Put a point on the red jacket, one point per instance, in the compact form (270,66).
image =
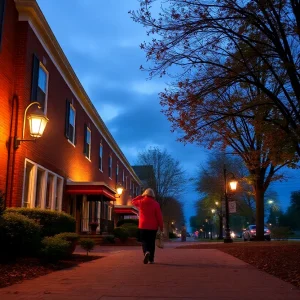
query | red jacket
(150,213)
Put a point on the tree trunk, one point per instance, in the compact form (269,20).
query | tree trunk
(220,237)
(260,221)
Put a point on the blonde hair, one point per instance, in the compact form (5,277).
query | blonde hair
(149,192)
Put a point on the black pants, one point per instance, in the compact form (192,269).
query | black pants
(148,241)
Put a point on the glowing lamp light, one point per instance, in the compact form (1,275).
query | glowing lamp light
(213,210)
(233,184)
(119,190)
(37,124)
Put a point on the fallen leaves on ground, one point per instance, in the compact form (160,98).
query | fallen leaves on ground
(29,268)
(281,259)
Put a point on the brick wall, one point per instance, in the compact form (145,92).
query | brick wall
(52,150)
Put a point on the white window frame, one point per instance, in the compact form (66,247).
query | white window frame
(126,182)
(89,154)
(32,186)
(72,141)
(117,173)
(110,167)
(101,156)
(47,84)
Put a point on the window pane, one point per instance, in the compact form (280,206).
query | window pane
(41,97)
(49,191)
(71,133)
(58,196)
(27,190)
(42,82)
(39,188)
(88,137)
(72,117)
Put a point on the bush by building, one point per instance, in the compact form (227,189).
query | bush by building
(121,233)
(54,248)
(87,245)
(18,236)
(131,229)
(51,222)
(70,237)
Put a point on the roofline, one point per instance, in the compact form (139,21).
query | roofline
(30,11)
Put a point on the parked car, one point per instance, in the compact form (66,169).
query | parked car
(250,233)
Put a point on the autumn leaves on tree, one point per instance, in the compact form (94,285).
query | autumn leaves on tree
(237,81)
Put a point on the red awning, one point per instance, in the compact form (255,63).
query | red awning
(126,210)
(90,188)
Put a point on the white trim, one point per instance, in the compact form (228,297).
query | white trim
(32,191)
(71,143)
(74,131)
(26,18)
(101,147)
(41,65)
(90,143)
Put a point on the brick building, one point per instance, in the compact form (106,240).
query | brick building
(76,165)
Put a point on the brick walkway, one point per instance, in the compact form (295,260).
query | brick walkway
(178,274)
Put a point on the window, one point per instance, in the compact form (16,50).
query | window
(39,85)
(123,177)
(101,157)
(126,183)
(70,122)
(29,175)
(39,188)
(133,190)
(136,190)
(130,187)
(42,188)
(58,194)
(117,173)
(110,166)
(49,190)
(87,142)
(2,7)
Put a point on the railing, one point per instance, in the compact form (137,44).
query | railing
(104,225)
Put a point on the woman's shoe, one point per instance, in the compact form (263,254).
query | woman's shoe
(146,257)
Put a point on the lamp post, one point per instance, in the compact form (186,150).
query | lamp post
(37,125)
(233,186)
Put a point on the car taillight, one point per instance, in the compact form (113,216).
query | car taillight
(252,231)
(267,231)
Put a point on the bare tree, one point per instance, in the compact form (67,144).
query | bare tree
(169,180)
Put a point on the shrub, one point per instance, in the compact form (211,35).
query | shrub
(110,239)
(121,233)
(128,221)
(18,235)
(131,229)
(71,237)
(280,233)
(52,222)
(87,245)
(54,248)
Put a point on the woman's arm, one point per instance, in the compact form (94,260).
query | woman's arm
(136,201)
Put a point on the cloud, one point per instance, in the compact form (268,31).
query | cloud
(147,87)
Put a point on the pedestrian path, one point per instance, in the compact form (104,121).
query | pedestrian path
(178,274)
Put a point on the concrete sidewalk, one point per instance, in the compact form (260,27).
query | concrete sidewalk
(177,274)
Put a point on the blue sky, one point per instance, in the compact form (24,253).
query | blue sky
(102,45)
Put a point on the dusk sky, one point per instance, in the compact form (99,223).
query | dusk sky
(102,44)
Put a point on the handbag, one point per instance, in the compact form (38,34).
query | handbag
(159,240)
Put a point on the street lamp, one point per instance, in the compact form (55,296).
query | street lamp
(119,189)
(37,125)
(233,186)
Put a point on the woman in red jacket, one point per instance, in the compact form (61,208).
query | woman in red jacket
(150,221)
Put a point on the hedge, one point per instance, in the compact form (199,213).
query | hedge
(18,236)
(51,222)
(131,229)
(128,221)
(55,248)
(121,233)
